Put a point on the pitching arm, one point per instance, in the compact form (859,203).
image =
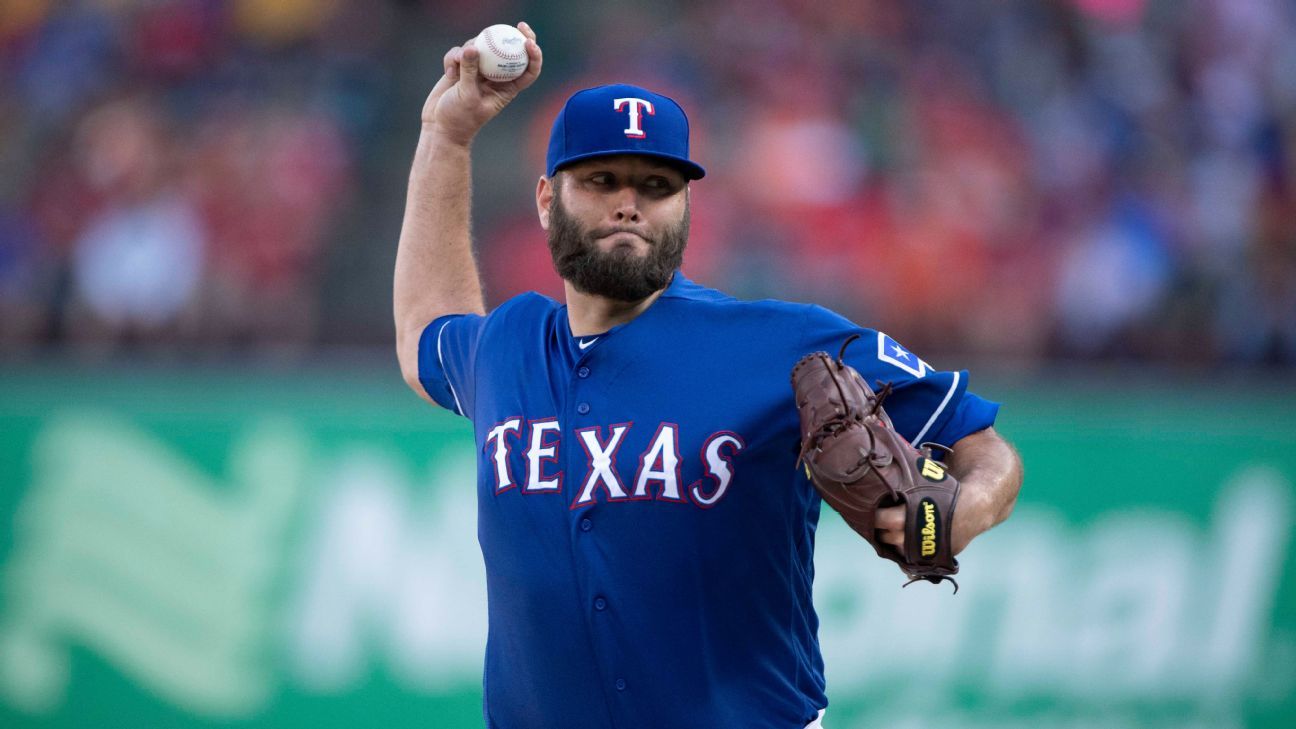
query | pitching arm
(436,273)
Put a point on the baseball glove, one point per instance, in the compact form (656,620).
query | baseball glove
(859,464)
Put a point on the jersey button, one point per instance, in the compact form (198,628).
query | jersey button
(586,525)
(582,372)
(620,684)
(600,603)
(583,408)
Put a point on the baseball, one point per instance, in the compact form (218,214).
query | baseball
(503,53)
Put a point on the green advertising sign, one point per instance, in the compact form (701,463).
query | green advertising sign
(202,550)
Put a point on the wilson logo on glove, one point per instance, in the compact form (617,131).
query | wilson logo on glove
(931,470)
(929,527)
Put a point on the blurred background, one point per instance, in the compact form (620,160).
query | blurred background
(225,510)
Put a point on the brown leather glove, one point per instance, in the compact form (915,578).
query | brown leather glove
(859,464)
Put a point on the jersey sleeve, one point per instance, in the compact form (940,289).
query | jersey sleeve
(447,361)
(926,404)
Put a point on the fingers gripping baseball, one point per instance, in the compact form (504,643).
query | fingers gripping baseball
(535,58)
(469,80)
(463,100)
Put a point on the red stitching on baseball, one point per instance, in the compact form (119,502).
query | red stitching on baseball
(490,42)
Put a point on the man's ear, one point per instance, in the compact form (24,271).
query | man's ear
(544,198)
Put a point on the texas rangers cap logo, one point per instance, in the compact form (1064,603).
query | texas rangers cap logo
(637,107)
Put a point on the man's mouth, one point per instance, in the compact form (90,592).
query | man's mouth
(626,235)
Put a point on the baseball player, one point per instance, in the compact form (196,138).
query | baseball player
(647,536)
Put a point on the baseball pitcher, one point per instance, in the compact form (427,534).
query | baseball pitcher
(652,453)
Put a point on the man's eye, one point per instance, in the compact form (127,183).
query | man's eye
(601,179)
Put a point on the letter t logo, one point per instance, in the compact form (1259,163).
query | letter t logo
(637,107)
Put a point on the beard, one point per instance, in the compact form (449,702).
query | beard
(620,274)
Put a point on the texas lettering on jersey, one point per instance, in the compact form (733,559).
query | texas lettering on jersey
(658,476)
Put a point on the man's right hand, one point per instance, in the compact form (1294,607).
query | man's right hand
(462,101)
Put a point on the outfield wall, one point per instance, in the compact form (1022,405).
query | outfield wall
(226,549)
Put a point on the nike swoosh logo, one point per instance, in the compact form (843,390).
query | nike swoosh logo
(585,345)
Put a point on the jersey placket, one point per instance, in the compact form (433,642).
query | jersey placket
(582,411)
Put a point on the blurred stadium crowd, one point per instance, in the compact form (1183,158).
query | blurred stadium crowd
(1108,179)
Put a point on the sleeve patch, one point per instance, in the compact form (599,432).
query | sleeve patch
(890,351)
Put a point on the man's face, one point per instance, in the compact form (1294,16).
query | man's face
(618,225)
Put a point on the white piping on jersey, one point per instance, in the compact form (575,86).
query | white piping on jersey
(918,438)
(458,407)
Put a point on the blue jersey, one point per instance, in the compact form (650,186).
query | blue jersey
(648,539)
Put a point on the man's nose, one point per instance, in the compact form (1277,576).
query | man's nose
(627,206)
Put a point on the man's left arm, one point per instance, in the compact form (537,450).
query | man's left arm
(989,472)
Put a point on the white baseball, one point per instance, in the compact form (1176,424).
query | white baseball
(503,53)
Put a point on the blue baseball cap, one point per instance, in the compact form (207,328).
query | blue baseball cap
(621,119)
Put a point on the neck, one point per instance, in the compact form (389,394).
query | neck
(589,314)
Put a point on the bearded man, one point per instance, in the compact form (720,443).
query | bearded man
(648,540)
